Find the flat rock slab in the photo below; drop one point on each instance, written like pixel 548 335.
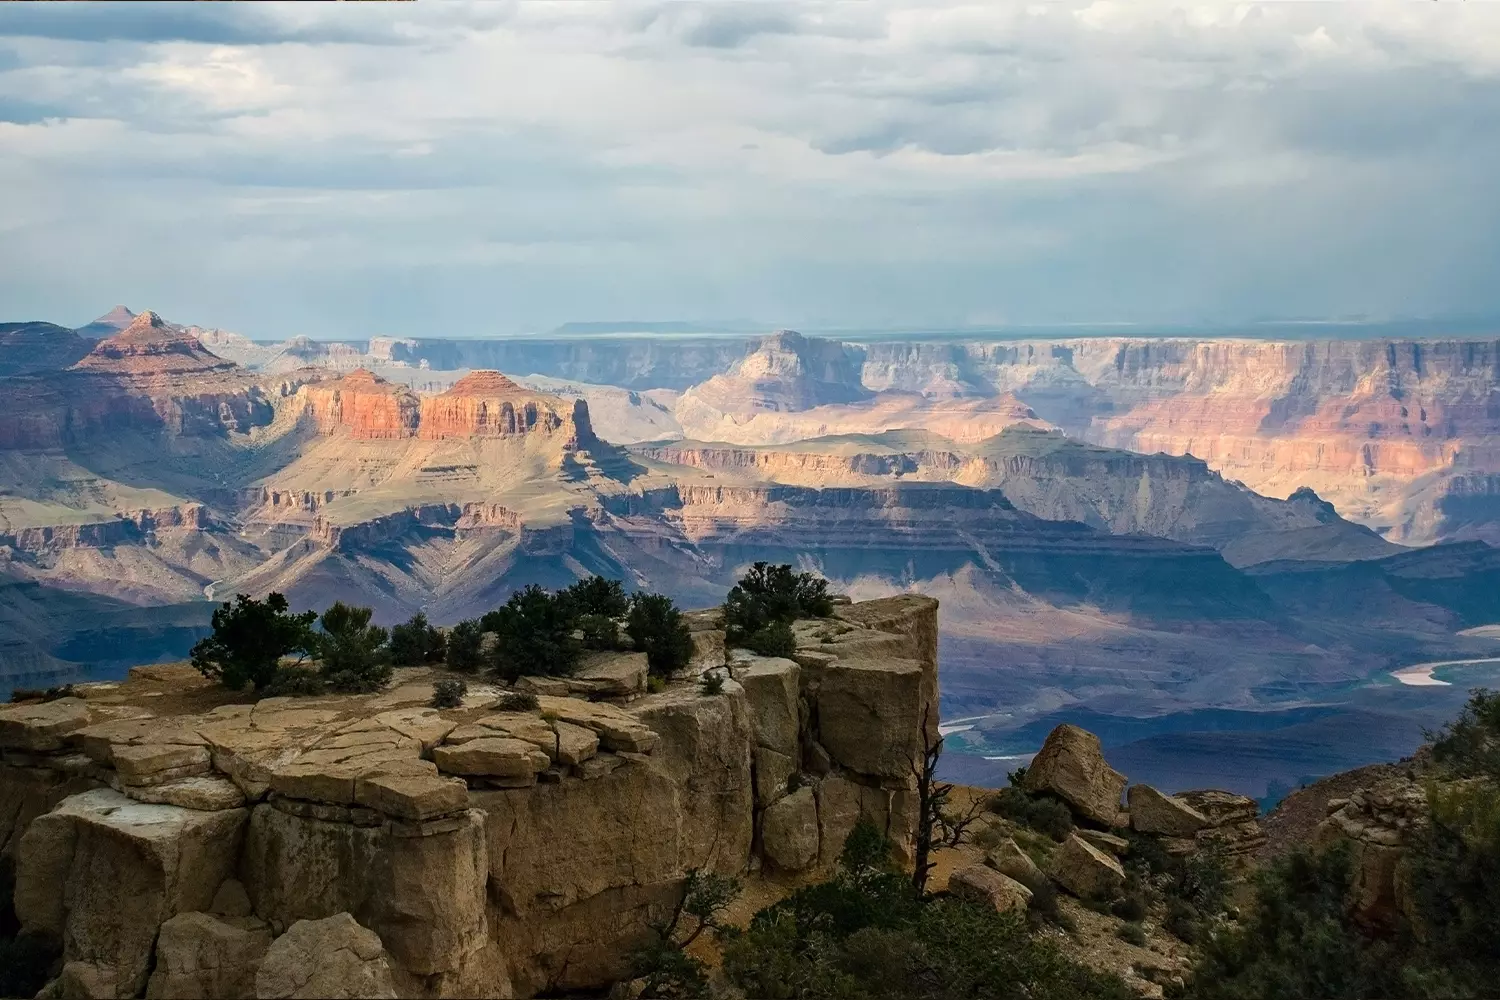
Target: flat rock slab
pixel 618 730
pixel 1084 870
pixel 208 793
pixel 137 763
pixel 42 727
pixel 1165 815
pixel 988 887
pixel 413 797
pixel 619 675
pixel 493 756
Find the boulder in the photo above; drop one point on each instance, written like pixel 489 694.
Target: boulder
pixel 207 956
pixel 231 900
pixel 771 685
pixel 789 831
pixel 1084 870
pixel 1164 815
pixel 612 675
pixel 988 887
pixel 1109 842
pixel 205 792
pixel 1071 766
pixel 413 797
pixel 562 742
pixel 708 651
pixel 772 772
pixel 1009 859
pixel 102 872
pixel 144 764
pixel 1233 826
pixel 333 958
pixel 496 756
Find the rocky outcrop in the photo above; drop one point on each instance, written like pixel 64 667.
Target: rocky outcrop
pixel 487 404
pixel 1233 824
pixel 468 852
pixel 1071 765
pixel 1009 859
pixel 1378 823
pixel 334 958
pixel 988 887
pixel 1084 870
pixel 1165 815
pixel 362 405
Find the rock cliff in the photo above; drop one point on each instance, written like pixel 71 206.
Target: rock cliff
pixel 487 404
pixel 491 853
pixel 364 405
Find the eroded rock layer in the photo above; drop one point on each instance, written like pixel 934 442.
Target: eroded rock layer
pixel 467 852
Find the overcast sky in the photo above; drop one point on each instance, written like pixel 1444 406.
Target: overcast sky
pixel 449 168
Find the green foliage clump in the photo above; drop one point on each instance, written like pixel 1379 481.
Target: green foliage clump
pixel 663 964
pixel 534 631
pixel 1041 813
pixel 863 934
pixel 518 701
pixel 770 595
pixel 351 651
pixel 417 643
pixel 775 639
pixel 449 693
pixel 1132 933
pixel 296 682
pixel 465 652
pixel 250 638
pixel 1299 938
pixel 712 684
pixel 595 595
pixel 656 627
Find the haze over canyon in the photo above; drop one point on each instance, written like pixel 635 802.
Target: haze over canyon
pixel 1213 551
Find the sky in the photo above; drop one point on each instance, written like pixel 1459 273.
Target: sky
pixel 450 168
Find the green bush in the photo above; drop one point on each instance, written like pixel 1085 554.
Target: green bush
pixel 1132 933
pixel 465 647
pixel 863 934
pixel 449 693
pixel 767 595
pixel 599 632
pixel 595 595
pixel 1131 907
pixel 775 639
pixel 416 643
pixel 657 629
pixel 711 684
pixel 351 651
pixel 249 639
pixel 534 632
pixel 1041 813
pixel 1183 921
pixel 518 701
pixel 296 682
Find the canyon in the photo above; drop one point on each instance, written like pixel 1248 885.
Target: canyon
pixel 1147 529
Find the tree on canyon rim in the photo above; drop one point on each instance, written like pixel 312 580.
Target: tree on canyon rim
pixel 760 609
pixel 250 638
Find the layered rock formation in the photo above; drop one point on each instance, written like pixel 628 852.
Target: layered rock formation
pixel 487 404
pixel 490 853
pixel 363 405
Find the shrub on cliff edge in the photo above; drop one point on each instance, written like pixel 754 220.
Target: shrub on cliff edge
pixel 250 638
pixel 465 652
pixel 771 598
pixel 416 643
pixel 352 652
pixel 534 632
pixel 656 628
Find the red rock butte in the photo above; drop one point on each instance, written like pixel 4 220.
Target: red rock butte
pixel 367 405
pixel 152 348
pixel 487 404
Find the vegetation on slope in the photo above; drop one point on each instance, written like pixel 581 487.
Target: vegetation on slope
pixel 1301 939
pixel 263 645
pixel 760 609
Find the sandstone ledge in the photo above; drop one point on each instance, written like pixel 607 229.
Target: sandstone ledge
pixel 491 852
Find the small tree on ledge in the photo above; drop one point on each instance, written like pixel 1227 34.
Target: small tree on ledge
pixel 250 638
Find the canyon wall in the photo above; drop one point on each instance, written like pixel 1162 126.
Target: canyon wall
pixel 494 853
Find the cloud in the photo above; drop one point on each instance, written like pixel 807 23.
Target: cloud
pixel 512 166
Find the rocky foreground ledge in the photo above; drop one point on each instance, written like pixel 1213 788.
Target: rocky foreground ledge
pixel 183 842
